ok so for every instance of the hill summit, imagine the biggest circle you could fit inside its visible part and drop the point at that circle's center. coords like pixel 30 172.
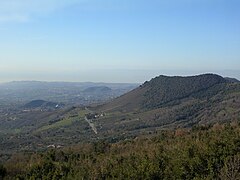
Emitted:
pixel 165 90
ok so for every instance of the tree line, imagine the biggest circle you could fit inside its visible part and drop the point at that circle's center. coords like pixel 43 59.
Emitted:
pixel 203 152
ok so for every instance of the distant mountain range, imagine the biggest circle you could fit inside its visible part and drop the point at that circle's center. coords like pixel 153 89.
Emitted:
pixel 69 93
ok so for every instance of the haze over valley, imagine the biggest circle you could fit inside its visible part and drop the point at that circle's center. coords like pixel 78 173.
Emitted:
pixel 123 89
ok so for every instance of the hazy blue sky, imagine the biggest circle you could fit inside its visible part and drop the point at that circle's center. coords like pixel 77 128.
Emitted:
pixel 117 40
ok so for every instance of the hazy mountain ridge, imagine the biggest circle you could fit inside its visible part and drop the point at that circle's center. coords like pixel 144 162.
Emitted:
pixel 71 93
pixel 98 89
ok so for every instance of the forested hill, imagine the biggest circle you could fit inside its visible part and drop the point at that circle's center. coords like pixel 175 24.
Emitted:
pixel 171 102
pixel 164 89
pixel 167 91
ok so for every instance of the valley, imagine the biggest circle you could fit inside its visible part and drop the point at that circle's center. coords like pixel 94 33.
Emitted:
pixel 160 104
pixel 161 114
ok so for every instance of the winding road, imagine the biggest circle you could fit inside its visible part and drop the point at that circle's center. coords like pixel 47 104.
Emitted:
pixel 91 124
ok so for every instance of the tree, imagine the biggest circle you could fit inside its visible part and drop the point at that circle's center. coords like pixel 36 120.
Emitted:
pixel 231 169
pixel 2 172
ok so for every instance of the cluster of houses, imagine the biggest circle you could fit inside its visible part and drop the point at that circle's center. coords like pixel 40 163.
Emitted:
pixel 94 115
pixel 54 146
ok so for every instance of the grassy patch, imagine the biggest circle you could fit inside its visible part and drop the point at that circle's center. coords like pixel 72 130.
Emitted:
pixel 63 123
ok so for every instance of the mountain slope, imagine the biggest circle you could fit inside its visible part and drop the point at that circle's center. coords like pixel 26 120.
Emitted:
pixel 232 80
pixel 171 102
pixel 126 102
pixel 163 89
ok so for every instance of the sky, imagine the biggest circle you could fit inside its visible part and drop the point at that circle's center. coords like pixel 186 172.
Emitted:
pixel 117 40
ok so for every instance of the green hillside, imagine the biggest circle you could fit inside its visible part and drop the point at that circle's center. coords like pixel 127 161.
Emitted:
pixel 164 89
pixel 172 102
pixel 205 152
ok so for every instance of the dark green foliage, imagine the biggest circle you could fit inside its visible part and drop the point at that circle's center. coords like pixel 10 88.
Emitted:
pixel 231 168
pixel 201 153
pixel 3 172
pixel 164 89
pixel 48 170
pixel 101 147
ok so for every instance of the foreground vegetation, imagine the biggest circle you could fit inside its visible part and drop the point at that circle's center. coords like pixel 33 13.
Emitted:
pixel 200 153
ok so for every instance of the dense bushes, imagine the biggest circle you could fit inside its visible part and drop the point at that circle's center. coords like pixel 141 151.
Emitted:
pixel 202 153
pixel 165 91
pixel 2 172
